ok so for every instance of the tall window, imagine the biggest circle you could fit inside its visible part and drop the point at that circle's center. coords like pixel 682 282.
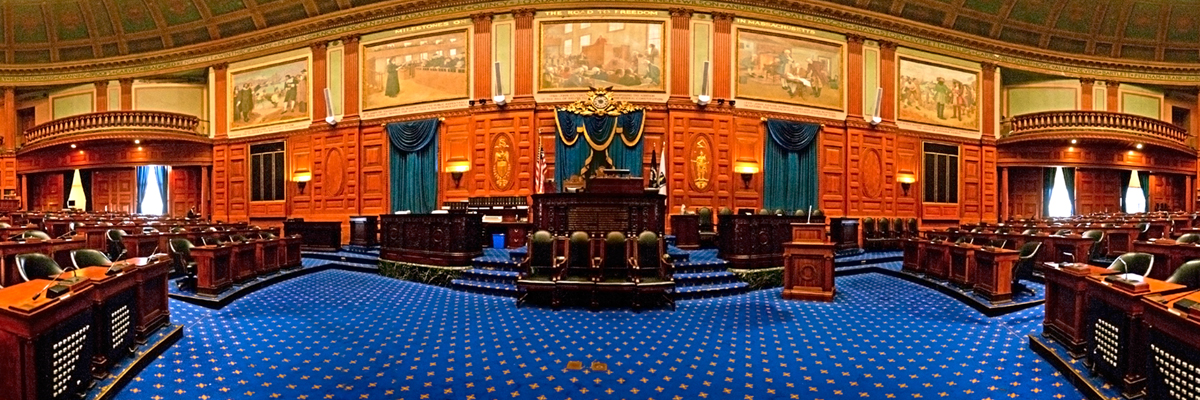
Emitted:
pixel 941 173
pixel 78 196
pixel 152 201
pixel 1060 200
pixel 1135 198
pixel 266 172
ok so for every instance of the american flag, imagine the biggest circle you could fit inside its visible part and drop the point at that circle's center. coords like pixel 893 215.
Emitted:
pixel 540 170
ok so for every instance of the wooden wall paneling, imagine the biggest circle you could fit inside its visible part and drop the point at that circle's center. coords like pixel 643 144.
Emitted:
pixel 1168 190
pixel 114 190
pixel 372 180
pixel 8 172
pixel 699 165
pixel 990 178
pixel 184 190
pixel 1097 190
pixel 834 178
pixel 114 153
pixel 871 176
pixel 299 156
pixel 237 167
pixel 220 182
pixel 455 140
pixel 908 160
pixel 971 184
pixel 504 135
pixel 45 191
pixel 1025 192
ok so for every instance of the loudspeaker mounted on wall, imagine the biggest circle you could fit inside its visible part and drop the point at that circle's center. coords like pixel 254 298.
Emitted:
pixel 329 117
pixel 703 99
pixel 498 97
pixel 875 119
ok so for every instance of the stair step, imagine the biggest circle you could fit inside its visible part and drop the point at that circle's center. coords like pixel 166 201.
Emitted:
pixel 505 289
pixel 701 291
pixel 703 278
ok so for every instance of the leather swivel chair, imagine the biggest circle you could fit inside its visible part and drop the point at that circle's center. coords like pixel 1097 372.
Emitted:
pixel 1133 263
pixel 653 271
pixel 1097 237
pixel 1025 265
pixel 578 275
pixel 898 228
pixel 801 213
pixel 708 231
pixel 181 262
pixel 1030 231
pixel 1062 232
pixel 763 211
pixel 998 243
pixel 116 245
pixel 613 274
pixel 870 233
pixel 34 234
pixel 1188 238
pixel 37 266
pixel 178 229
pixel 83 258
pixel 539 270
pixel 1143 229
pixel 5 225
pixel 885 232
pixel 1188 275
pixel 913 229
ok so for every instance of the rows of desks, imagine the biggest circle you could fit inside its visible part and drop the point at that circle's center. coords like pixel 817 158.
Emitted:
pixel 1133 336
pixel 986 270
pixel 53 348
pixel 218 267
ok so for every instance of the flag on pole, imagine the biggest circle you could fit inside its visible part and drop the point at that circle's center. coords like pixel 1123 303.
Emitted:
pixel 540 170
pixel 658 173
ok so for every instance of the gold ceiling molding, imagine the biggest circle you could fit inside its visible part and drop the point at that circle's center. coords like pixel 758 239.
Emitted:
pixel 815 14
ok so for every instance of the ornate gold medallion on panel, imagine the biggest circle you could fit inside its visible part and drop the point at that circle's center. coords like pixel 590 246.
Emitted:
pixel 600 102
pixel 502 167
pixel 700 160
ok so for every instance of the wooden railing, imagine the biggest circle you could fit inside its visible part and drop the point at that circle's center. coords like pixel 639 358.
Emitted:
pixel 1085 121
pixel 157 121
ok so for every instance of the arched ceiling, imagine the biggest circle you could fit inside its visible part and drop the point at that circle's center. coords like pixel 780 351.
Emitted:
pixel 62 33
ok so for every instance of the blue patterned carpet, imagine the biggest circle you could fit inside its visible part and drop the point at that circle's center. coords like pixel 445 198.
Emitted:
pixel 349 335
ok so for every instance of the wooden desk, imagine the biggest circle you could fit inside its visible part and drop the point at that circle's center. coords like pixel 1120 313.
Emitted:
pixel 1074 244
pixel 1120 239
pixel 1116 334
pixel 140 244
pixel 266 251
pixel 686 228
pixel 1174 350
pixel 431 239
pixel 47 347
pixel 94 235
pixel 289 252
pixel 994 269
pixel 1066 305
pixel 213 272
pixel 58 249
pixel 754 241
pixel 242 261
pixel 114 302
pixel 844 233
pixel 1168 256
pixel 364 230
pixel 913 249
pixel 152 307
pixel 962 265
pixel 936 259
pixel 317 236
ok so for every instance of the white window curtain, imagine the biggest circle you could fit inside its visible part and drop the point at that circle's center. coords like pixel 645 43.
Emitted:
pixel 1135 198
pixel 1060 201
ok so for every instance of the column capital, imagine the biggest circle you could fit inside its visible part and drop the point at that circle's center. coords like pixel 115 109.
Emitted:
pixel 1113 84
pixel 855 38
pixel 126 81
pixel 221 66
pixel 722 16
pixel 988 67
pixel 524 13
pixel 482 17
pixel 319 47
pixel 1087 81
pixel 681 12
pixel 351 40
pixel 886 45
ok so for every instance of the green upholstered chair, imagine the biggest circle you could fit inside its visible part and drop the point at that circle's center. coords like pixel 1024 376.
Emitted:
pixel 83 258
pixel 1097 237
pixel 37 266
pixel 4 225
pixel 1188 238
pixel 1030 231
pixel 1142 228
pixel 801 213
pixel 779 211
pixel 870 234
pixel 178 229
pixel 653 272
pixel 1003 230
pixel 239 238
pixel 914 230
pixel 578 276
pixel 181 260
pixel 885 227
pixel 1025 265
pixel 1133 263
pixel 818 215
pixel 725 211
pixel 998 243
pixel 539 270
pixel 763 211
pixel 706 218
pixel 898 228
pixel 708 229
pixel 34 234
pixel 1188 275
pixel 1062 232
pixel 116 246
pixel 613 274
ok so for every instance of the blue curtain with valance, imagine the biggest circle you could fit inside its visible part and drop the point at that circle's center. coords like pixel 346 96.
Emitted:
pixel 142 175
pixel 790 166
pixel 414 172
pixel 161 173
pixel 143 181
pixel 599 134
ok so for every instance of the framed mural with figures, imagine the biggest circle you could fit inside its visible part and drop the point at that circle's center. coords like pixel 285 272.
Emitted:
pixel 416 69
pixel 270 94
pixel 624 55
pixel 789 69
pixel 936 94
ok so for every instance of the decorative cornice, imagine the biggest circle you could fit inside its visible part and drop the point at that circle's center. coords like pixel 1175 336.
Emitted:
pixel 818 15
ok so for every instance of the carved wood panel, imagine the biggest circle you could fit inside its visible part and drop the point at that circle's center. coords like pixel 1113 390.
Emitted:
pixel 990 179
pixel 833 169
pixel 114 190
pixel 700 155
pixel 971 183
pixel 184 190
pixel 1167 190
pixel 45 191
pixel 1025 192
pixel 1097 190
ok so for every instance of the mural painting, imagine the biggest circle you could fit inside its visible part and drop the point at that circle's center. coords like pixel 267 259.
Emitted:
pixel 621 55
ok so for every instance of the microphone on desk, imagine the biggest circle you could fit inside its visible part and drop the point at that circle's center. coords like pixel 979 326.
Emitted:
pixel 66 235
pixel 121 254
pixel 52 282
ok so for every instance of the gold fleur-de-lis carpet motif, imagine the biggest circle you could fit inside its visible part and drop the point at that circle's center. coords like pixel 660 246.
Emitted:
pixel 350 335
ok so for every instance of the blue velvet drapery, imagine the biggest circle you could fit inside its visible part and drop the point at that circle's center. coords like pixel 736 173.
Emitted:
pixel 142 175
pixel 599 133
pixel 790 166
pixel 1048 176
pixel 143 180
pixel 414 165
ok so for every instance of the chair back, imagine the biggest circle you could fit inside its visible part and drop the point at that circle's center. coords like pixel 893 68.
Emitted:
pixel 541 251
pixel 1097 237
pixel 215 240
pixel 868 227
pixel 898 227
pixel 35 234
pixel 239 238
pixel 37 266
pixel 181 254
pixel 4 225
pixel 650 257
pixel 83 258
pixel 178 229
pixel 1030 231
pixel 615 264
pixel 763 211
pixel 1188 275
pixel 725 211
pixel 912 227
pixel 1143 228
pixel 1062 232
pixel 801 213
pixel 115 245
pixel 1133 263
pixel 818 215
pixel 1188 238
pixel 1024 266
pixel 998 243
pixel 579 253
pixel 885 226
pixel 706 217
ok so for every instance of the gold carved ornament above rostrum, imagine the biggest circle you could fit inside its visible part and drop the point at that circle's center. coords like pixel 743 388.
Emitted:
pixel 599 104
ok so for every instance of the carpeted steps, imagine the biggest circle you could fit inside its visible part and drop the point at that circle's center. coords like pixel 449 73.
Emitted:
pixel 697 274
pixel 355 255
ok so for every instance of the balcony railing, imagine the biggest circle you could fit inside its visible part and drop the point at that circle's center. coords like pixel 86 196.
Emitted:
pixel 108 121
pixel 1095 121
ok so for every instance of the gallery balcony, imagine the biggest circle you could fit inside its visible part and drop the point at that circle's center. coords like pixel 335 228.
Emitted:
pixel 114 125
pixel 1095 126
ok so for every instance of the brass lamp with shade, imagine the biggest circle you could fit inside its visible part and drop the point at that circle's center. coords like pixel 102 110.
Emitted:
pixel 456 168
pixel 747 169
pixel 906 180
pixel 302 176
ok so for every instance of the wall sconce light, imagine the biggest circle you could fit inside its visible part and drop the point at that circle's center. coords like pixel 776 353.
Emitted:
pixel 906 180
pixel 301 177
pixel 456 169
pixel 747 169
